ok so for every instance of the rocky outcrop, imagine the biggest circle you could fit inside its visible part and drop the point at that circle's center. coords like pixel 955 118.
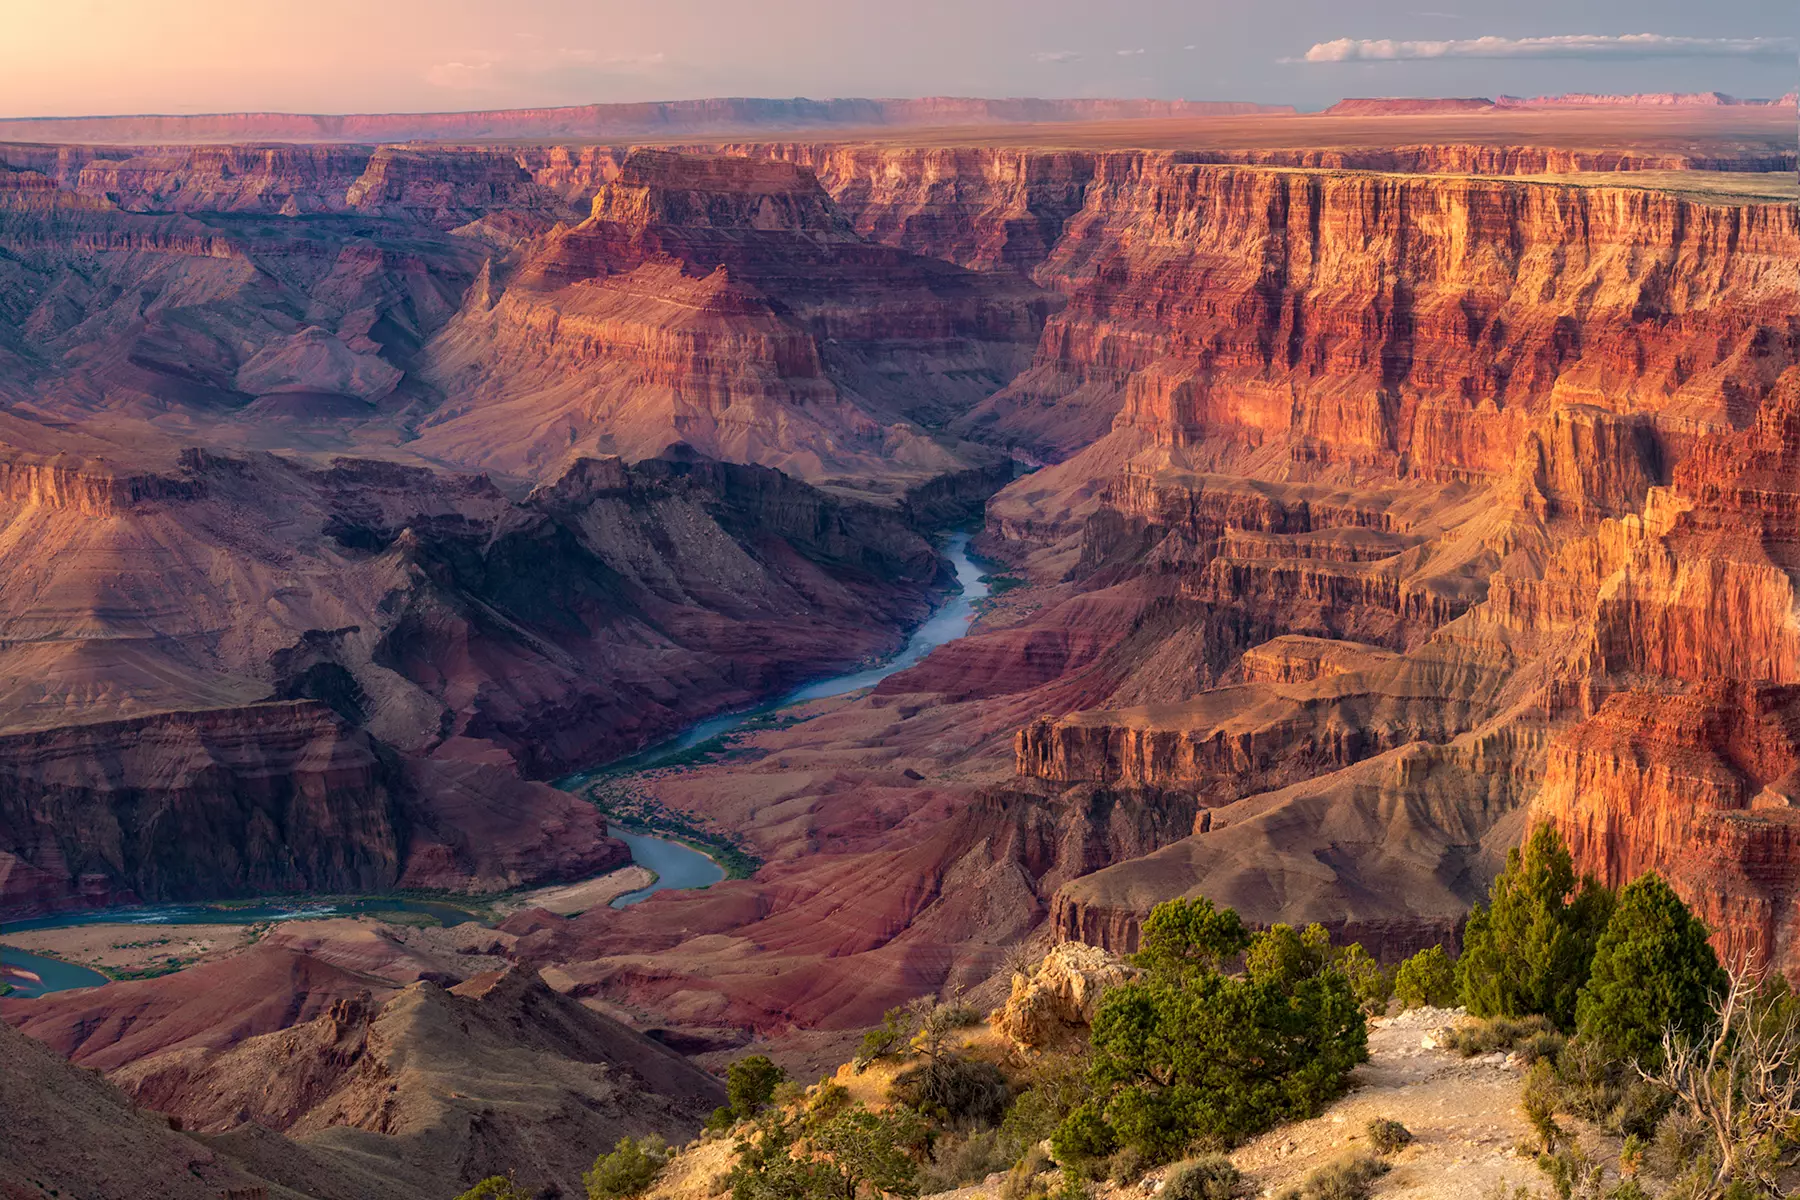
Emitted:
pixel 276 798
pixel 1056 1000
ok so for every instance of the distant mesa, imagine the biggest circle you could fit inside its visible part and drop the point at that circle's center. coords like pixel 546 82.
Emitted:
pixel 1400 106
pixel 1405 106
pixel 670 118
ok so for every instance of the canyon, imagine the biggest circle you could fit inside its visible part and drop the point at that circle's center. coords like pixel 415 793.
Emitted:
pixel 1356 491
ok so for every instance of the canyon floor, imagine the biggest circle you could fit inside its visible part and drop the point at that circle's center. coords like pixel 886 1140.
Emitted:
pixel 1356 490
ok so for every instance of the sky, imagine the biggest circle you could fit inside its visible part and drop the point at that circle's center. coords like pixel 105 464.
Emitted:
pixel 79 57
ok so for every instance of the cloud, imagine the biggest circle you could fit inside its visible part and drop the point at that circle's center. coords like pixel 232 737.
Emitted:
pixel 1057 56
pixel 1127 53
pixel 1631 45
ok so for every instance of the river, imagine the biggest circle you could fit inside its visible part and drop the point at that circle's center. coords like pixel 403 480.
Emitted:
pixel 681 866
pixel 677 866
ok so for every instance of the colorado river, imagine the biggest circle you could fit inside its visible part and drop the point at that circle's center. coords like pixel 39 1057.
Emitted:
pixel 680 866
pixel 676 865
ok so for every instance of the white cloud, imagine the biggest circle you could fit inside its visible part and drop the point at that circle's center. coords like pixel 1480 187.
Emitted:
pixel 1057 56
pixel 1127 53
pixel 1632 45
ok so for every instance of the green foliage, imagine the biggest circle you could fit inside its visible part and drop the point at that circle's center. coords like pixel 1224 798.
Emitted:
pixel 871 1148
pixel 1055 1088
pixel 1387 1136
pixel 750 1084
pixel 962 1092
pixel 1427 978
pixel 1280 956
pixel 1652 969
pixel 1371 985
pixel 496 1187
pixel 766 1169
pixel 1189 934
pixel 1529 950
pixel 1191 1056
pixel 1351 1178
pixel 631 1168
pixel 1083 1138
pixel 1209 1178
pixel 885 1038
pixel 853 1149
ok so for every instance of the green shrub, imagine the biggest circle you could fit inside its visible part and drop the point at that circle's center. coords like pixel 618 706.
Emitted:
pixel 1083 1138
pixel 496 1187
pixel 631 1168
pixel 750 1084
pixel 1351 1178
pixel 1528 952
pixel 1388 1136
pixel 1209 1178
pixel 1495 1035
pixel 1205 1059
pixel 1652 970
pixel 1428 978
pixel 1369 983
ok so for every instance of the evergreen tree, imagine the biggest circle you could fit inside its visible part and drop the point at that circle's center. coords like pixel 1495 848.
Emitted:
pixel 1183 935
pixel 1652 968
pixel 1529 951
pixel 1427 978
pixel 750 1084
pixel 1197 1055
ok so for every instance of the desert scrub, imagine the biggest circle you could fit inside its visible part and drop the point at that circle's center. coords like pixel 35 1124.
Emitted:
pixel 1495 1035
pixel 1351 1178
pixel 1209 1178
pixel 1388 1136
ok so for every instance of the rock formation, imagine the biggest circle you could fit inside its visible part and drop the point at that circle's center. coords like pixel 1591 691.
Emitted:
pixel 1058 998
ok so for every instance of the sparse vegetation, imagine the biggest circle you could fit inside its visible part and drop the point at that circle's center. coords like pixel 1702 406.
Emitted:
pixel 885 1038
pixel 1351 1178
pixel 494 1187
pixel 1208 1178
pixel 631 1168
pixel 1736 1125
pixel 1495 1035
pixel 1387 1137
